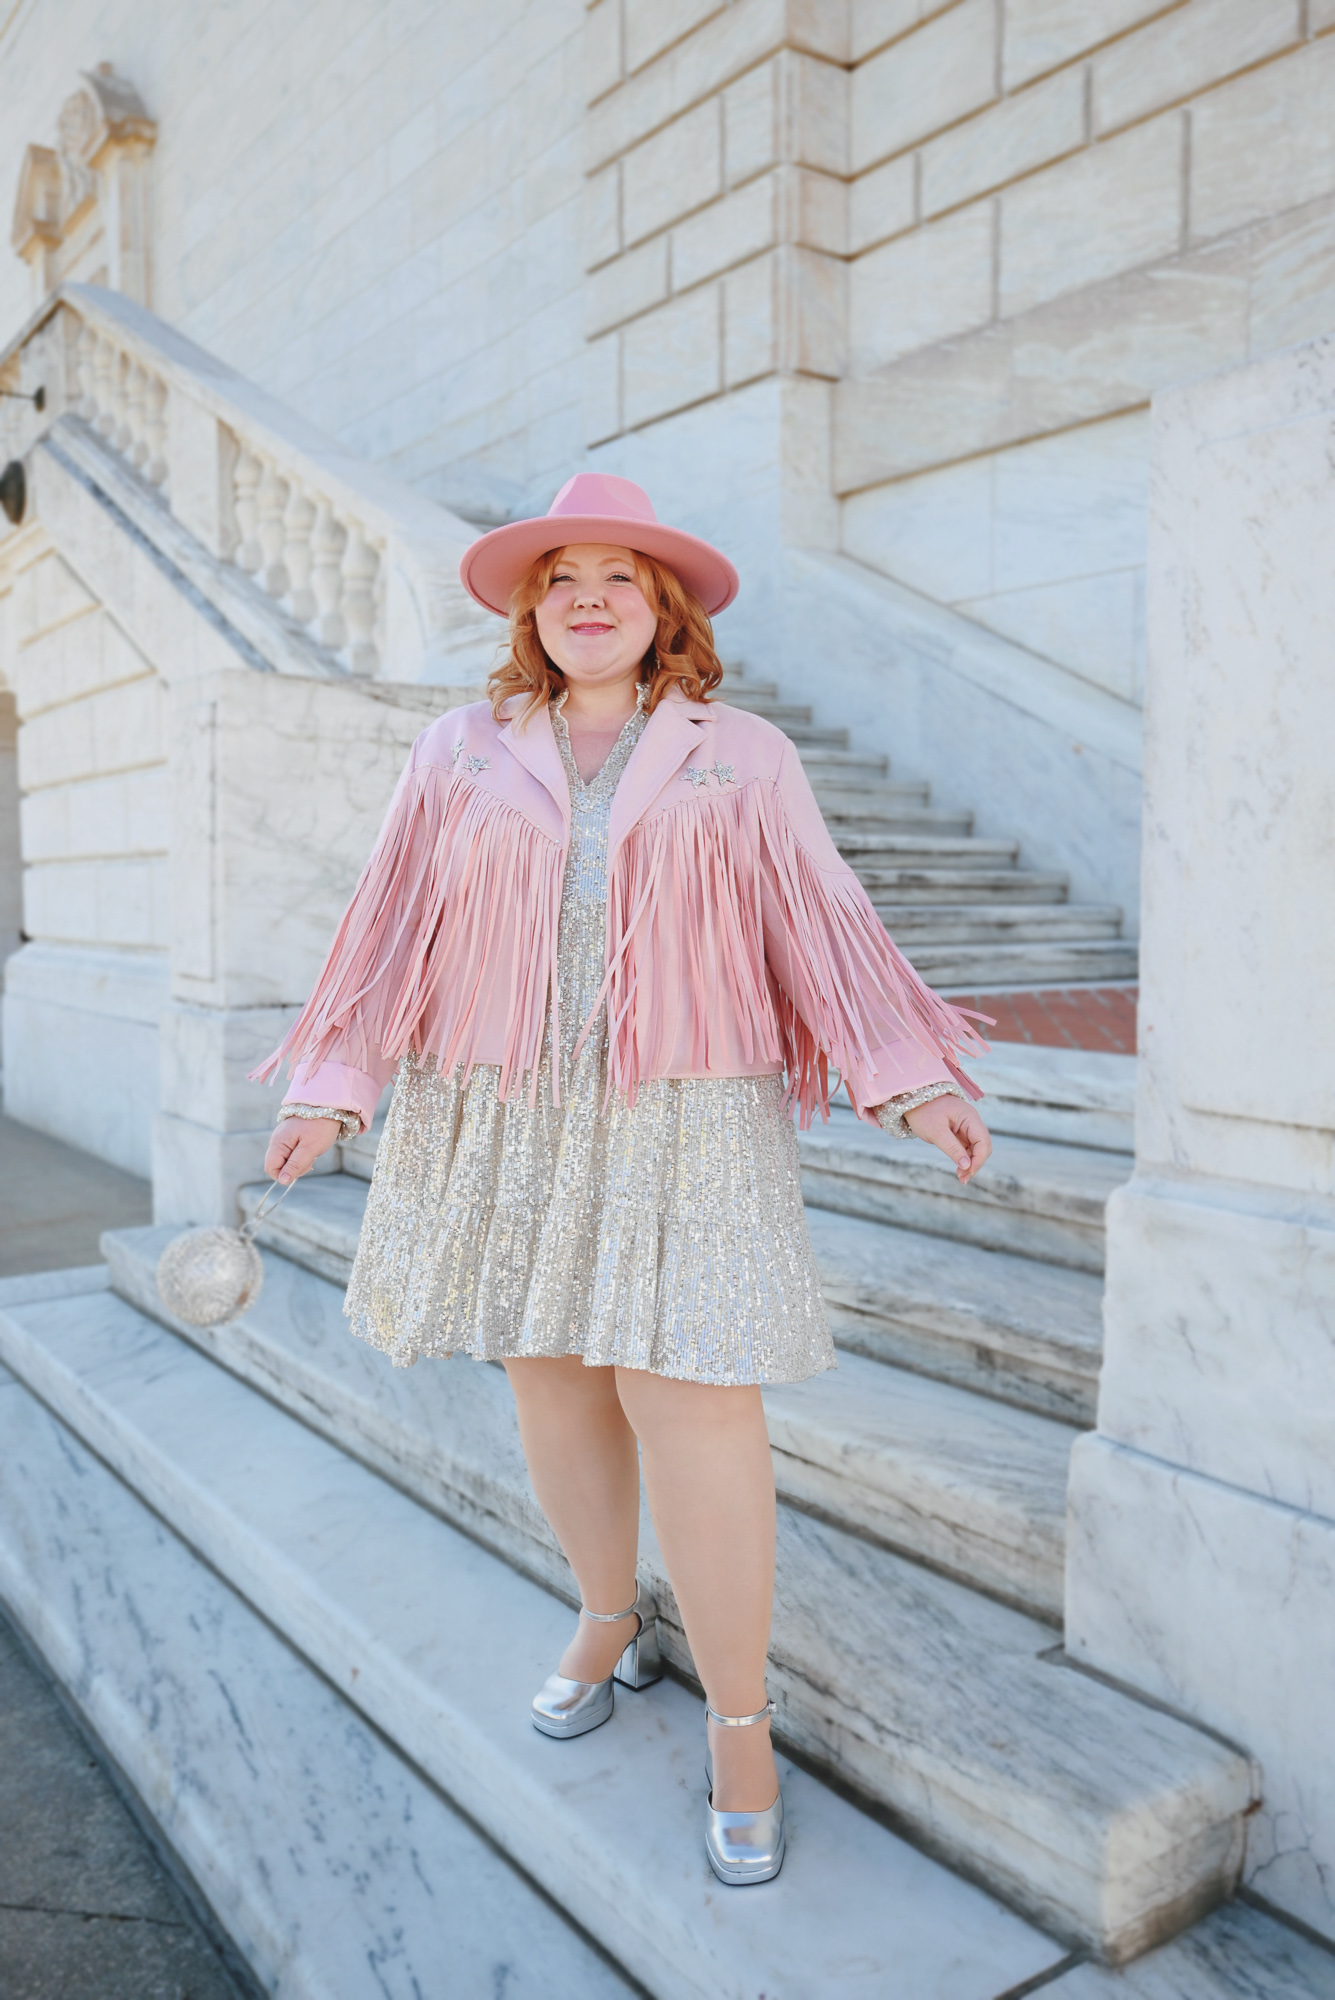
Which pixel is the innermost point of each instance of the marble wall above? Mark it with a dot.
(1202, 1548)
(1053, 211)
(886, 283)
(372, 210)
(476, 244)
(82, 998)
(298, 774)
(1043, 543)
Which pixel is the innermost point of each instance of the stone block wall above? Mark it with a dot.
(83, 995)
(717, 153)
(923, 201)
(962, 241)
(1055, 208)
(373, 211)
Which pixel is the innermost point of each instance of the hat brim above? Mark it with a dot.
(496, 562)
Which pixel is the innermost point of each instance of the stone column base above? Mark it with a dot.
(1221, 1603)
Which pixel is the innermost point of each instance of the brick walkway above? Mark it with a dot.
(1061, 1017)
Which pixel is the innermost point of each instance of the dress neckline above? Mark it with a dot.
(603, 782)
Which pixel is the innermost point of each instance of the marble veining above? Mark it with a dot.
(334, 1867)
(339, 1557)
(942, 1704)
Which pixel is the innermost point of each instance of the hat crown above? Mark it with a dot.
(604, 494)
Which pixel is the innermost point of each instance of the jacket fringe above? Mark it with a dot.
(795, 953)
(412, 964)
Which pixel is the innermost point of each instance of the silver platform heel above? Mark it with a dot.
(563, 1707)
(742, 1846)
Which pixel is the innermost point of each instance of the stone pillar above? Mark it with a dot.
(715, 237)
(1201, 1562)
(278, 787)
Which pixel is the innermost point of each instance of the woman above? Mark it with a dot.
(607, 942)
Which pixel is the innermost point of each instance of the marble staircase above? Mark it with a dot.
(937, 1702)
(964, 908)
(916, 1656)
(337, 1745)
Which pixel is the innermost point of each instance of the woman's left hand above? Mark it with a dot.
(954, 1126)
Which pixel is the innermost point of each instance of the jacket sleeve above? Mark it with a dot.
(339, 1048)
(848, 993)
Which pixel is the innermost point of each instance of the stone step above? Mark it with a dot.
(842, 767)
(960, 884)
(897, 820)
(757, 699)
(813, 734)
(1025, 1332)
(1109, 1821)
(989, 923)
(337, 1868)
(735, 675)
(311, 1778)
(1241, 1952)
(971, 1486)
(1079, 1097)
(873, 802)
(1036, 1199)
(968, 968)
(1005, 1326)
(889, 850)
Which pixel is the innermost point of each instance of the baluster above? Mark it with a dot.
(327, 539)
(272, 534)
(136, 411)
(155, 429)
(86, 356)
(360, 565)
(104, 365)
(249, 554)
(298, 520)
(119, 434)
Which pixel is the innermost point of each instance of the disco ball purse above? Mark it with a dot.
(210, 1275)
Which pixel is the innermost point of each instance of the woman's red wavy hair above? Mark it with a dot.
(682, 649)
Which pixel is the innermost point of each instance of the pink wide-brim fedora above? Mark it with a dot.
(594, 507)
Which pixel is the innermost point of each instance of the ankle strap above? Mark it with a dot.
(611, 1617)
(740, 1721)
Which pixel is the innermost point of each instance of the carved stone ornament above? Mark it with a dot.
(82, 205)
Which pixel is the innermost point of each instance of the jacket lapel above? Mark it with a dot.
(674, 734)
(534, 746)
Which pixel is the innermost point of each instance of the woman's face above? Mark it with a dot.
(594, 621)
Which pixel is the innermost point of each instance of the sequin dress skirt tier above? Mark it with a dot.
(668, 1235)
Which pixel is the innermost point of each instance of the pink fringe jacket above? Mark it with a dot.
(739, 942)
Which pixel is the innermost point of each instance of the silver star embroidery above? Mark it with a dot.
(694, 776)
(476, 764)
(456, 754)
(724, 773)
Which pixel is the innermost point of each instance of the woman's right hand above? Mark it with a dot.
(297, 1144)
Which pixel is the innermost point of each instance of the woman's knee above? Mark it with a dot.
(561, 1381)
(659, 1407)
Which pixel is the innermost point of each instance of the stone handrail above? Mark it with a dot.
(361, 563)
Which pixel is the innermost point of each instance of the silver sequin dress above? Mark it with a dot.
(668, 1235)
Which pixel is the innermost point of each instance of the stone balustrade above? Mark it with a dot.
(363, 568)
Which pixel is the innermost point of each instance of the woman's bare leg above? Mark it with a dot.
(584, 1466)
(710, 1482)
